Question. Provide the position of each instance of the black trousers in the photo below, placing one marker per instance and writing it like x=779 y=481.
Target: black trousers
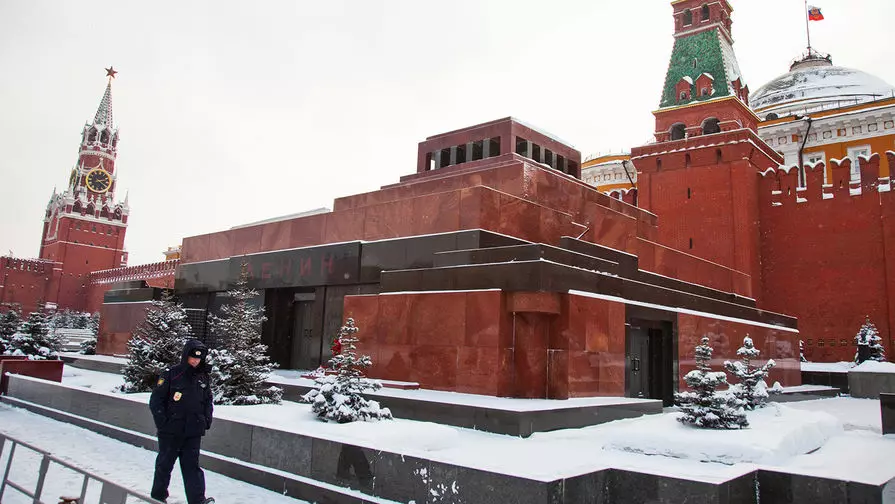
x=170 y=448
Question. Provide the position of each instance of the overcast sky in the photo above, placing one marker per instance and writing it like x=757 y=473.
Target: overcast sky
x=234 y=111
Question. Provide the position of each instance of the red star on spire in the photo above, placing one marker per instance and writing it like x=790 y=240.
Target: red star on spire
x=110 y=72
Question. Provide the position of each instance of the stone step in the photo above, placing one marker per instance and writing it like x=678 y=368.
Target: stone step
x=322 y=470
x=528 y=252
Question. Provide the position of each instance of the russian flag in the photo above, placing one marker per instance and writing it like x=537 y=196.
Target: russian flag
x=814 y=13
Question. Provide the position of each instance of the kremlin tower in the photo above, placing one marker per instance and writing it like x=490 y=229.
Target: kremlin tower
x=700 y=176
x=83 y=229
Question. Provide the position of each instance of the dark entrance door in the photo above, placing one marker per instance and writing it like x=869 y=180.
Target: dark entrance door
x=277 y=331
x=303 y=337
x=649 y=360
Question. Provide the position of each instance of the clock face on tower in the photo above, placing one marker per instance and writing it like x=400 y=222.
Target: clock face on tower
x=99 y=180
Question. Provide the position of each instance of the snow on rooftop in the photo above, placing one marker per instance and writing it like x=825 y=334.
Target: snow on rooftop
x=307 y=213
x=808 y=87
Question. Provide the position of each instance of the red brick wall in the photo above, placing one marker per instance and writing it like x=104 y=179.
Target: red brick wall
x=731 y=113
x=25 y=282
x=827 y=261
x=706 y=195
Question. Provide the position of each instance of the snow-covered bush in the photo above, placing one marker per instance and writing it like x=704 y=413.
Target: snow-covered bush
x=34 y=339
x=338 y=397
x=751 y=389
x=240 y=364
x=704 y=406
x=10 y=321
x=156 y=345
x=870 y=345
x=88 y=346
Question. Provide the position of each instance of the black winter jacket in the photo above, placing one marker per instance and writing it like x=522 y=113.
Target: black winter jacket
x=181 y=402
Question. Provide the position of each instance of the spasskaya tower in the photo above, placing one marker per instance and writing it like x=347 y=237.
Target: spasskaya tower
x=84 y=225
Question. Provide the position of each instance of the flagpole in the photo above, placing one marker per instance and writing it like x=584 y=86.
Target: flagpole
x=808 y=27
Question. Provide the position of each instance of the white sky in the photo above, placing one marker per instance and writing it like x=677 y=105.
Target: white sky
x=236 y=111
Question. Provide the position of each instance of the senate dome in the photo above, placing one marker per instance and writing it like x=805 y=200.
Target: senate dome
x=812 y=84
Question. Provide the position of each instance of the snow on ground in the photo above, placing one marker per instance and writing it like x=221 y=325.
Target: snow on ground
x=104 y=382
x=122 y=463
x=289 y=377
x=828 y=367
x=874 y=367
x=655 y=444
x=854 y=414
x=776 y=433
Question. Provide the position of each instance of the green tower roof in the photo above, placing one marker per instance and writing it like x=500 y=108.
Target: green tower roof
x=693 y=55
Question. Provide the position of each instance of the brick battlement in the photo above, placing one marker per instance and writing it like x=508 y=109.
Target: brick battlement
x=780 y=187
x=702 y=141
x=37 y=266
x=153 y=271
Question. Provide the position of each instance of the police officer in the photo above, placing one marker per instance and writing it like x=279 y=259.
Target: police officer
x=181 y=407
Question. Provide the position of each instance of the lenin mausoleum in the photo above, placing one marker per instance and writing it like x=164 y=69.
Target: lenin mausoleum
x=493 y=268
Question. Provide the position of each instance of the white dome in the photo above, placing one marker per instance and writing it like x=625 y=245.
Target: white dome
x=814 y=83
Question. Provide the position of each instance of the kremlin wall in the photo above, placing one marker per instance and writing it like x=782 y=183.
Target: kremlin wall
x=494 y=269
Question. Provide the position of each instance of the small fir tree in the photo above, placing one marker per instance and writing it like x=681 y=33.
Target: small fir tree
x=802 y=351
x=338 y=397
x=10 y=321
x=156 y=345
x=240 y=364
x=704 y=406
x=751 y=389
x=870 y=345
x=35 y=339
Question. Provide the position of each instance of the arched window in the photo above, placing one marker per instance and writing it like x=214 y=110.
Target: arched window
x=77 y=208
x=704 y=92
x=711 y=126
x=688 y=17
x=704 y=16
x=771 y=117
x=678 y=132
x=105 y=137
x=91 y=135
x=683 y=96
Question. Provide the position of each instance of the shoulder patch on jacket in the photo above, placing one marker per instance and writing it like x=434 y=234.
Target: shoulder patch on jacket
x=160 y=381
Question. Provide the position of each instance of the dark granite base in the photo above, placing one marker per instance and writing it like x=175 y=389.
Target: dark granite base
x=870 y=385
x=887 y=410
x=785 y=488
x=501 y=421
x=811 y=395
x=829 y=379
x=323 y=471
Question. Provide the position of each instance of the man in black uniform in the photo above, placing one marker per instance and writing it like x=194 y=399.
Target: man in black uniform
x=181 y=407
